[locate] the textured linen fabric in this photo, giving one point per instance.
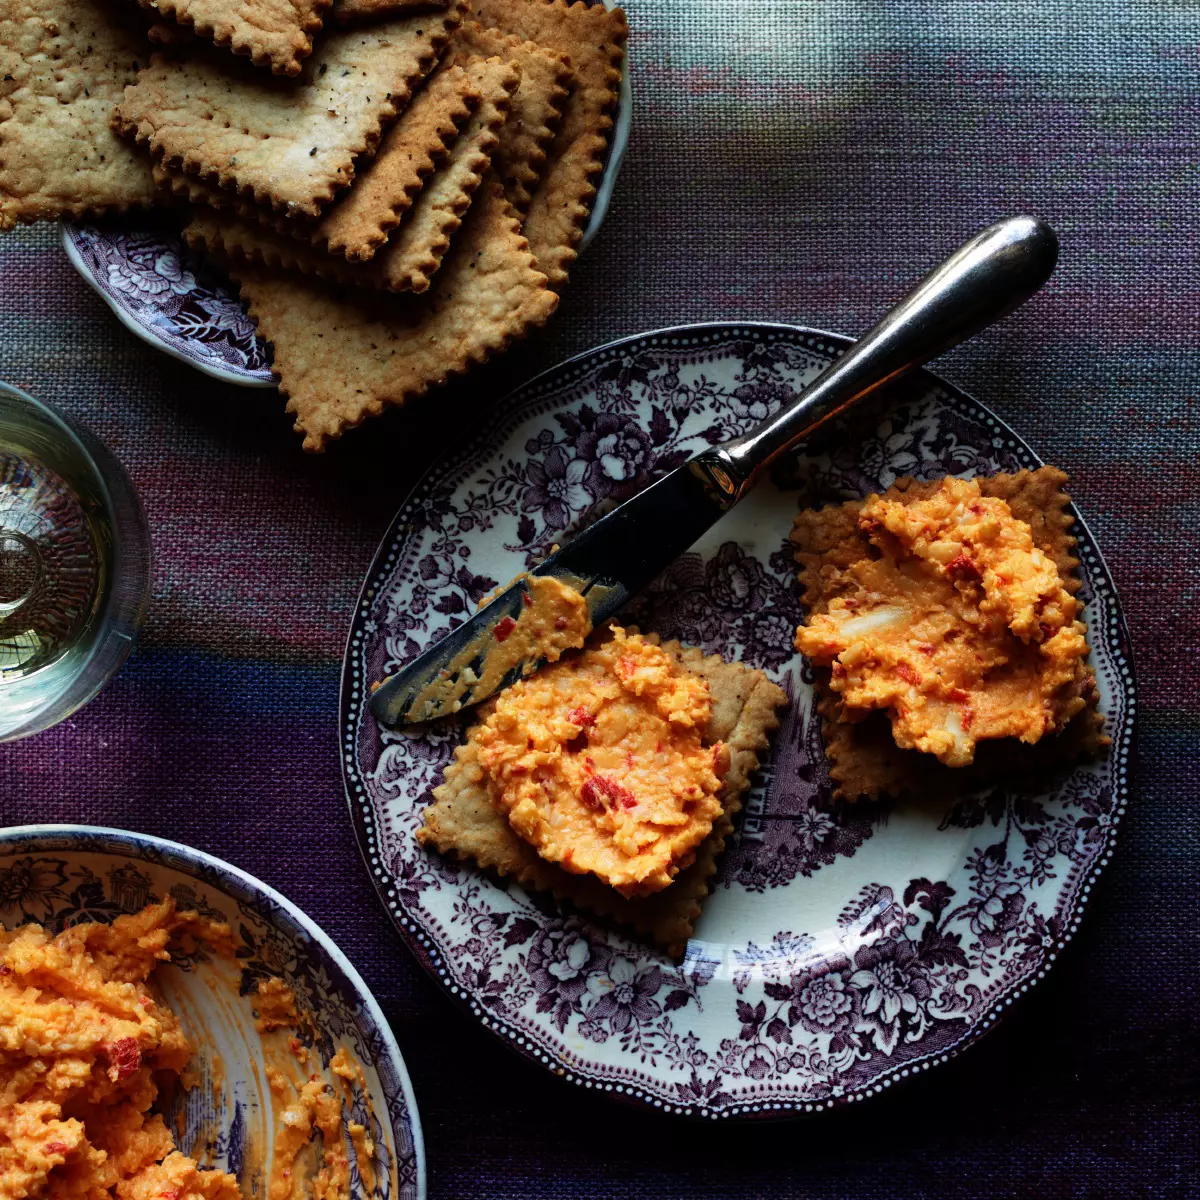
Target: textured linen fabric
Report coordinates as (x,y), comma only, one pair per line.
(790,160)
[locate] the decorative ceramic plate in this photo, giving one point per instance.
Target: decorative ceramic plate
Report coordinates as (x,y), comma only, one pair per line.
(168,295)
(843,946)
(59,875)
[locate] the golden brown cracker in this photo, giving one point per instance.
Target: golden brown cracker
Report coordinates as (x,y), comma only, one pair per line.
(271,33)
(341,357)
(290,145)
(462,820)
(546,77)
(63,65)
(360,221)
(368,10)
(593,38)
(863,758)
(417,248)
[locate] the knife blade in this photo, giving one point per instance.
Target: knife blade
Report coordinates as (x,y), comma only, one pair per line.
(608,563)
(613,559)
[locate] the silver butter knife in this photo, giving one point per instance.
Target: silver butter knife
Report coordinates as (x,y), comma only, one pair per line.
(614,559)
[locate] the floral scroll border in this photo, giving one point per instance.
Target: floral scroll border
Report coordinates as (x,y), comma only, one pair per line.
(630,990)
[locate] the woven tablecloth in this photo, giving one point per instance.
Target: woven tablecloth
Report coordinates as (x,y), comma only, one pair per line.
(795,160)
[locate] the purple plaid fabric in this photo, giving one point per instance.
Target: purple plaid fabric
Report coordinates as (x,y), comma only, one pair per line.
(789,161)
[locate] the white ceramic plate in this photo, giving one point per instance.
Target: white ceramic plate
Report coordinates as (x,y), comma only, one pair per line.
(167,294)
(62,874)
(844,946)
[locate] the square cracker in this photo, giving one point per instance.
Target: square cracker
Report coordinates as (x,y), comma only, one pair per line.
(546,77)
(288,144)
(593,37)
(358,223)
(341,357)
(462,820)
(271,33)
(63,65)
(416,249)
(864,760)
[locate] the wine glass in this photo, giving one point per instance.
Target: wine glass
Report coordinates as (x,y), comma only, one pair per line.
(74,565)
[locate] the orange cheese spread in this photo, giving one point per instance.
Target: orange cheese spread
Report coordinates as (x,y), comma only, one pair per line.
(84,1048)
(554,618)
(598,762)
(961,629)
(314,1108)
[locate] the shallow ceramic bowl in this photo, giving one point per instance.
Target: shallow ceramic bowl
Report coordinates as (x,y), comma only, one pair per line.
(171,298)
(59,875)
(844,947)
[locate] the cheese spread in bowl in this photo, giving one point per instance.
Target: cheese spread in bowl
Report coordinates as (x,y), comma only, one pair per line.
(172,1027)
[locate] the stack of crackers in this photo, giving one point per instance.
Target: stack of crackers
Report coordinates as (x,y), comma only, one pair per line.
(398,186)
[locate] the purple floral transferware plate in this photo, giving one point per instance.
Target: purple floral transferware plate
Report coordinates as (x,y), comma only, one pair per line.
(59,875)
(844,946)
(169,296)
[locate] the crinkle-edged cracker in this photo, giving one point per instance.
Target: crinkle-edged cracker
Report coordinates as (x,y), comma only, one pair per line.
(63,65)
(593,37)
(417,248)
(462,820)
(341,357)
(271,33)
(369,10)
(864,760)
(546,77)
(359,223)
(289,144)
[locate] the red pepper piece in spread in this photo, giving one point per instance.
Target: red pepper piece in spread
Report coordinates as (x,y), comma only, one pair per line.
(600,786)
(124,1058)
(503,629)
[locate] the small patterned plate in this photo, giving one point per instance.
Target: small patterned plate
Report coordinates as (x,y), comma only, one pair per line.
(59,875)
(844,947)
(169,296)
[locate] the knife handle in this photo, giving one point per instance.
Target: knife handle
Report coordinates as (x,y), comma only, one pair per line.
(982,281)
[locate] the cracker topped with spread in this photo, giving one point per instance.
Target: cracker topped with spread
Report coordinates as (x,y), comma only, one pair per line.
(943,626)
(960,628)
(598,762)
(464,822)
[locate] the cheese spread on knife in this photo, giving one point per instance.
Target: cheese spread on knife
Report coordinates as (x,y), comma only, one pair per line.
(553,619)
(598,763)
(961,629)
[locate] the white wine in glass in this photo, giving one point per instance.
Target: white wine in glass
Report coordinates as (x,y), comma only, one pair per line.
(74,565)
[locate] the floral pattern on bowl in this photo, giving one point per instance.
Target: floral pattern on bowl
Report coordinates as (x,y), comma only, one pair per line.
(844,946)
(58,875)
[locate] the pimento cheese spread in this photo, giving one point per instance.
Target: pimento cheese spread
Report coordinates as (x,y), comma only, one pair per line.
(553,619)
(84,1045)
(598,762)
(960,629)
